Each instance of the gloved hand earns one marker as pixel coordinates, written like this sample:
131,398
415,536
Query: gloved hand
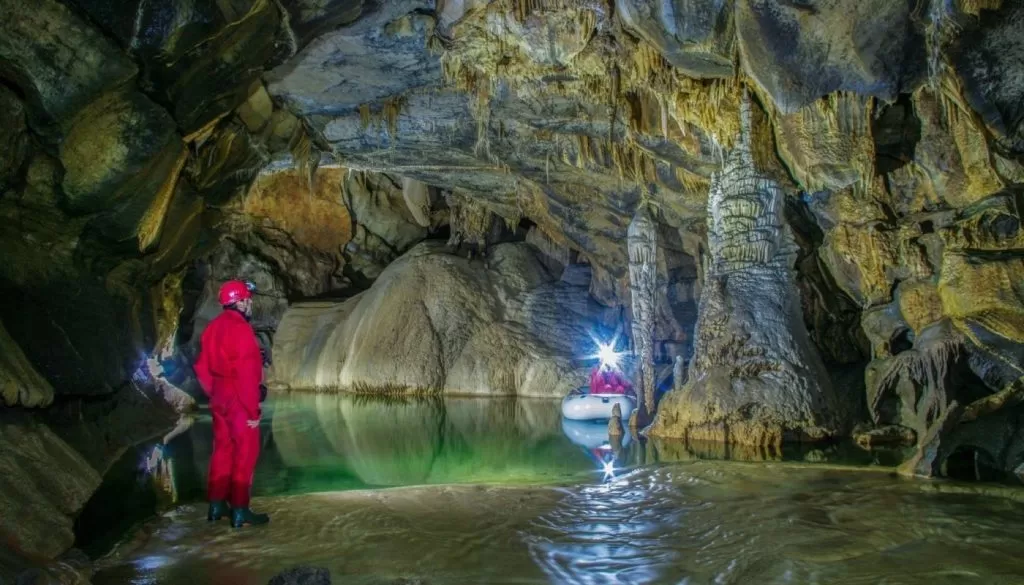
263,392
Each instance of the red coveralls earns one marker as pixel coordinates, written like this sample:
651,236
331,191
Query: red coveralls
230,370
608,382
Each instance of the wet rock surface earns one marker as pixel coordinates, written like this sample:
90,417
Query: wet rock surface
149,151
435,322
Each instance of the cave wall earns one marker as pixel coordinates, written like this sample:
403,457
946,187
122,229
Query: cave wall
133,138
121,128
435,322
893,128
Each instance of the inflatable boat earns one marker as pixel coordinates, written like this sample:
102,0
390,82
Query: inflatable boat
584,405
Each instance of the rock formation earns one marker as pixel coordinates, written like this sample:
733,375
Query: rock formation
755,378
433,322
643,274
150,150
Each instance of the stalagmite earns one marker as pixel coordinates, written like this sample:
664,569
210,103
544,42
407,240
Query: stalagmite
642,241
615,422
755,377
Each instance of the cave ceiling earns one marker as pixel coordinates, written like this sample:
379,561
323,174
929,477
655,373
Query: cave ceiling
131,131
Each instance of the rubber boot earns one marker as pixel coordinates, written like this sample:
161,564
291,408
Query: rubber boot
218,510
242,516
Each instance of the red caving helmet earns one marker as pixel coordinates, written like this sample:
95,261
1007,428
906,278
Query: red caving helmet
233,291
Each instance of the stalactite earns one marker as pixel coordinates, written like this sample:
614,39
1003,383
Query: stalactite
642,245
470,220
927,367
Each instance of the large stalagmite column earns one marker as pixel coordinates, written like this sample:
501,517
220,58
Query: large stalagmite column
643,273
755,377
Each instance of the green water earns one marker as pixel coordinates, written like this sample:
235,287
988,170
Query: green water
499,491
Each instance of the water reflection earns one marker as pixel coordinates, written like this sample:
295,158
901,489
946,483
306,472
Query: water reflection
317,443
329,442
698,523
415,442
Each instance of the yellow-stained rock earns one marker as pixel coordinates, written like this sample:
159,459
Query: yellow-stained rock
258,110
952,150
318,220
919,303
111,142
20,383
859,257
982,290
828,144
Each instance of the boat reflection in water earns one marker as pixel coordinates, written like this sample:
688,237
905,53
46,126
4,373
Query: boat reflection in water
607,452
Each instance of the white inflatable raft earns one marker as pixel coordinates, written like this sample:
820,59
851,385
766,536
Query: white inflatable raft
586,406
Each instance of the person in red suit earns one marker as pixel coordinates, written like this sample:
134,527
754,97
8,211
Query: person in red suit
607,379
230,371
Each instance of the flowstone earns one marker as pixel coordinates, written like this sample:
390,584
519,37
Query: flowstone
755,377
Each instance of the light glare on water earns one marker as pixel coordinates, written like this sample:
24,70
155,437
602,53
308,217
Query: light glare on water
698,522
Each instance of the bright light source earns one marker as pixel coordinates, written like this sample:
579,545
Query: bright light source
608,356
609,469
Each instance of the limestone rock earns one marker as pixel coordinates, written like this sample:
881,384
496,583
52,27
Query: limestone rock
953,152
451,12
615,422
301,232
20,383
200,57
927,461
799,51
435,322
755,378
691,35
988,59
84,340
884,436
417,199
43,482
108,144
828,144
183,235
369,60
919,303
231,147
554,38
860,258
14,138
378,203
307,19
62,60
302,576
557,255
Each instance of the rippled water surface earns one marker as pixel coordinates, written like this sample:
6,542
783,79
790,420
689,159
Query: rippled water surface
521,497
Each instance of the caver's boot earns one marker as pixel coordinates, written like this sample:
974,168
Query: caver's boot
242,516
218,510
